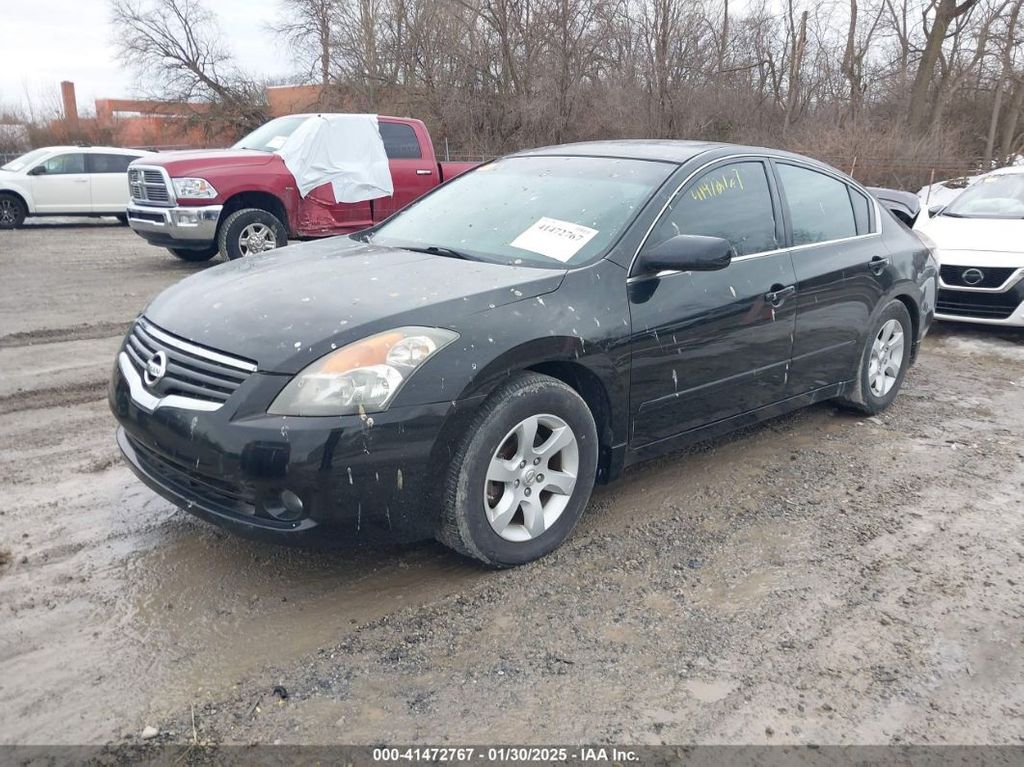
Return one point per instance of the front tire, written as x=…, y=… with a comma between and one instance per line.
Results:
x=195, y=256
x=12, y=211
x=884, y=361
x=249, y=231
x=522, y=475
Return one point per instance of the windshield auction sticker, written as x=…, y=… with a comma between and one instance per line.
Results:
x=560, y=240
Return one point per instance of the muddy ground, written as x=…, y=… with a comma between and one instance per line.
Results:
x=823, y=578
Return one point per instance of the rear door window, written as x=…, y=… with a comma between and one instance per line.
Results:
x=400, y=141
x=108, y=163
x=820, y=208
x=732, y=202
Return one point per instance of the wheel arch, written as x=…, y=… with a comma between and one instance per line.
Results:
x=20, y=196
x=914, y=310
x=255, y=199
x=582, y=366
x=594, y=392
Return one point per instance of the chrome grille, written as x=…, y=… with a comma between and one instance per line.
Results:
x=148, y=185
x=192, y=371
x=986, y=277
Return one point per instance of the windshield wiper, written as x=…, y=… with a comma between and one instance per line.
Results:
x=439, y=250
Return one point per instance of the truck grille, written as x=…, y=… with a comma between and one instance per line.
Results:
x=146, y=185
x=192, y=371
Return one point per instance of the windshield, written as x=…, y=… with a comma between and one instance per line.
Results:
x=541, y=211
x=271, y=137
x=998, y=196
x=20, y=163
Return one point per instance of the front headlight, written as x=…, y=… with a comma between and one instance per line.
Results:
x=364, y=376
x=193, y=188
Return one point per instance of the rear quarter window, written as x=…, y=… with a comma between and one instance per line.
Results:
x=861, y=211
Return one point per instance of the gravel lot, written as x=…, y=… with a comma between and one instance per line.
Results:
x=822, y=578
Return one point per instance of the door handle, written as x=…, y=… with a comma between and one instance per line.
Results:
x=778, y=294
x=878, y=263
x=80, y=180
x=423, y=171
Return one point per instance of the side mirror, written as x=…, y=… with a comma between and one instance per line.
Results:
x=688, y=253
x=935, y=210
x=39, y=170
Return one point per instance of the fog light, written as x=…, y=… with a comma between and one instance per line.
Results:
x=286, y=507
x=291, y=501
x=187, y=218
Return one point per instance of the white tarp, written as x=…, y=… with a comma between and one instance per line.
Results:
x=345, y=151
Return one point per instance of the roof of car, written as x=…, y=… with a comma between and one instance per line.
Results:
x=72, y=148
x=638, y=149
x=665, y=150
x=1008, y=169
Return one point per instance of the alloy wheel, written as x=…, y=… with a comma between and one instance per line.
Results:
x=256, y=238
x=531, y=477
x=886, y=358
x=8, y=212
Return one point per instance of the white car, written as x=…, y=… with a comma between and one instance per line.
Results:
x=944, y=192
x=978, y=240
x=65, y=181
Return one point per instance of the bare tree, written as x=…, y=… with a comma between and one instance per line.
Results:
x=946, y=11
x=1004, y=79
x=175, y=45
x=308, y=26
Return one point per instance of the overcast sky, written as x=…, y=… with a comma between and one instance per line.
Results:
x=45, y=41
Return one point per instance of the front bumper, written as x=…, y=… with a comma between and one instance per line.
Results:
x=177, y=227
x=358, y=480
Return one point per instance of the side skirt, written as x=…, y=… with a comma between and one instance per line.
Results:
x=718, y=428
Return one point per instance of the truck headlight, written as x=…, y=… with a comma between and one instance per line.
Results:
x=193, y=188
x=364, y=376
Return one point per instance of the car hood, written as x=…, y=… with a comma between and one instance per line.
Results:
x=178, y=163
x=975, y=234
x=286, y=308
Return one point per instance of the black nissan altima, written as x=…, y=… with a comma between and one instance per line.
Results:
x=469, y=368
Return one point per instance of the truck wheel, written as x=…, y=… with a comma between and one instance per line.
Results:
x=12, y=211
x=188, y=254
x=250, y=231
x=522, y=474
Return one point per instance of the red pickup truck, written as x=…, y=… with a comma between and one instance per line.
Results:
x=245, y=200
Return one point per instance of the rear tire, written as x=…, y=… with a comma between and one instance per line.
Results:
x=544, y=479
x=883, y=362
x=249, y=231
x=195, y=256
x=12, y=211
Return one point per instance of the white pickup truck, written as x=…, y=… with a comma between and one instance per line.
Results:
x=66, y=181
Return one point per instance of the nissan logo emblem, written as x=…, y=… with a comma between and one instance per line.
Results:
x=156, y=368
x=972, y=276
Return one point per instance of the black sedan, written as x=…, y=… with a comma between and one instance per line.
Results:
x=469, y=368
